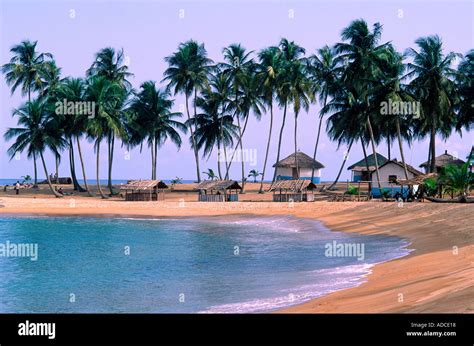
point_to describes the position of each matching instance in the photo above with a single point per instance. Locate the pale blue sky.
(150, 30)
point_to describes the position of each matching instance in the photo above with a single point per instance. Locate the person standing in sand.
(17, 187)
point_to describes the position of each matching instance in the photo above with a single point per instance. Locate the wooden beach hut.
(218, 191)
(144, 190)
(416, 185)
(301, 168)
(293, 190)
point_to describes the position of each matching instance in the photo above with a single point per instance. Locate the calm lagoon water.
(178, 265)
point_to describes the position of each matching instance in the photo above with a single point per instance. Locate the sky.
(148, 31)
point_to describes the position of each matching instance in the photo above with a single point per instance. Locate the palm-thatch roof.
(219, 185)
(443, 160)
(304, 161)
(293, 185)
(417, 180)
(362, 167)
(143, 185)
(410, 169)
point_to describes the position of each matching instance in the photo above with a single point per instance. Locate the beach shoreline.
(437, 276)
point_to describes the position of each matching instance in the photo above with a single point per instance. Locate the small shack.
(416, 185)
(359, 170)
(218, 191)
(390, 172)
(300, 168)
(442, 161)
(293, 190)
(144, 190)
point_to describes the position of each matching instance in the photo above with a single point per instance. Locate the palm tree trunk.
(226, 163)
(317, 138)
(97, 170)
(268, 147)
(400, 145)
(35, 170)
(388, 149)
(156, 157)
(152, 146)
(193, 140)
(58, 195)
(111, 142)
(57, 168)
(296, 146)
(372, 142)
(72, 164)
(279, 141)
(219, 158)
(241, 154)
(433, 145)
(82, 166)
(342, 166)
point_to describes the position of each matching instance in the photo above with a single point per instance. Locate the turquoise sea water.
(236, 264)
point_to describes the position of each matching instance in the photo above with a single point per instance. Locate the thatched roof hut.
(219, 190)
(417, 180)
(302, 167)
(443, 160)
(359, 169)
(144, 190)
(293, 190)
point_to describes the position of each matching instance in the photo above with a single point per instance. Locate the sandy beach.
(438, 275)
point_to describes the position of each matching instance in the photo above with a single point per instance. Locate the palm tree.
(23, 71)
(74, 125)
(254, 173)
(37, 133)
(432, 84)
(107, 97)
(240, 68)
(364, 58)
(215, 122)
(323, 70)
(465, 83)
(386, 92)
(109, 63)
(267, 74)
(151, 119)
(188, 72)
(210, 174)
(291, 64)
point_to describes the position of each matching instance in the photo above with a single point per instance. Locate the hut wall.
(219, 198)
(295, 197)
(144, 196)
(284, 173)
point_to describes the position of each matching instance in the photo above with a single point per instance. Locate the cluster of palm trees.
(349, 80)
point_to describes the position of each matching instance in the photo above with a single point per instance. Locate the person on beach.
(17, 187)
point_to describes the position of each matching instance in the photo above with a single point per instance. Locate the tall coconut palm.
(216, 126)
(291, 55)
(267, 75)
(390, 91)
(465, 83)
(323, 70)
(107, 97)
(363, 57)
(298, 84)
(38, 132)
(432, 82)
(239, 67)
(152, 120)
(75, 124)
(110, 64)
(187, 73)
(23, 71)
